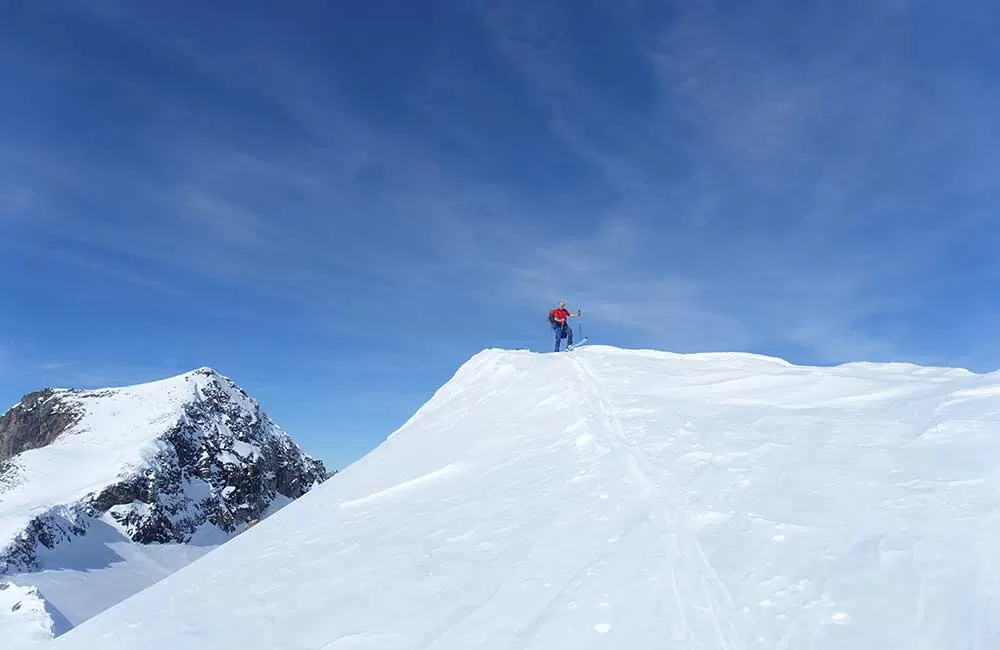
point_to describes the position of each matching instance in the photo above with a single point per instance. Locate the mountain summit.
(130, 484)
(606, 498)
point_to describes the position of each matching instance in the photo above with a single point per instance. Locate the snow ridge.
(162, 458)
(25, 618)
(608, 498)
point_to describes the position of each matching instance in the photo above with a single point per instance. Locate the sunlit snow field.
(605, 498)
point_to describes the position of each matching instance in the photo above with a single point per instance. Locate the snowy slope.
(25, 619)
(139, 482)
(606, 498)
(120, 430)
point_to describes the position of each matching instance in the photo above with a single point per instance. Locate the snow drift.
(104, 492)
(606, 498)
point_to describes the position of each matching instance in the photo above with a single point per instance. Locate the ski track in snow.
(634, 500)
(670, 514)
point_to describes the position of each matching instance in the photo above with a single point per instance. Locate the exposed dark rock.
(224, 462)
(8, 471)
(49, 529)
(35, 422)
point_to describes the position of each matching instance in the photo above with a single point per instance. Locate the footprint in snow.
(841, 618)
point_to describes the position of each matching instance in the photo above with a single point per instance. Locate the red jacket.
(558, 315)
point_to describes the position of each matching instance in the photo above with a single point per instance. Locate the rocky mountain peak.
(171, 458)
(34, 422)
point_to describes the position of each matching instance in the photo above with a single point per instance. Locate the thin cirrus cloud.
(337, 206)
(794, 180)
(800, 175)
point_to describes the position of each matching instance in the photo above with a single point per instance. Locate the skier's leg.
(569, 334)
(558, 331)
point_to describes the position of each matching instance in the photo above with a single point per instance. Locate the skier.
(558, 319)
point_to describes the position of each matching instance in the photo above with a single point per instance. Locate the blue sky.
(336, 204)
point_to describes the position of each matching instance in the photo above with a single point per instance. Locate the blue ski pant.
(563, 332)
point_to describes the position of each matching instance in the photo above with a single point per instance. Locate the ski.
(577, 344)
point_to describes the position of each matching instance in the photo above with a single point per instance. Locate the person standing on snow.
(559, 319)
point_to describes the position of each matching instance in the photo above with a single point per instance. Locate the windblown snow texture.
(87, 475)
(25, 618)
(625, 499)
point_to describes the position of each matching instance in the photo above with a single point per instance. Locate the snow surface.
(25, 620)
(605, 498)
(119, 430)
(101, 576)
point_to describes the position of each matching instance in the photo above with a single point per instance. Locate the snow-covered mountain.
(104, 492)
(605, 498)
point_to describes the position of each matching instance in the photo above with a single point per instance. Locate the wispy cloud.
(57, 365)
(96, 264)
(691, 179)
(16, 200)
(795, 211)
